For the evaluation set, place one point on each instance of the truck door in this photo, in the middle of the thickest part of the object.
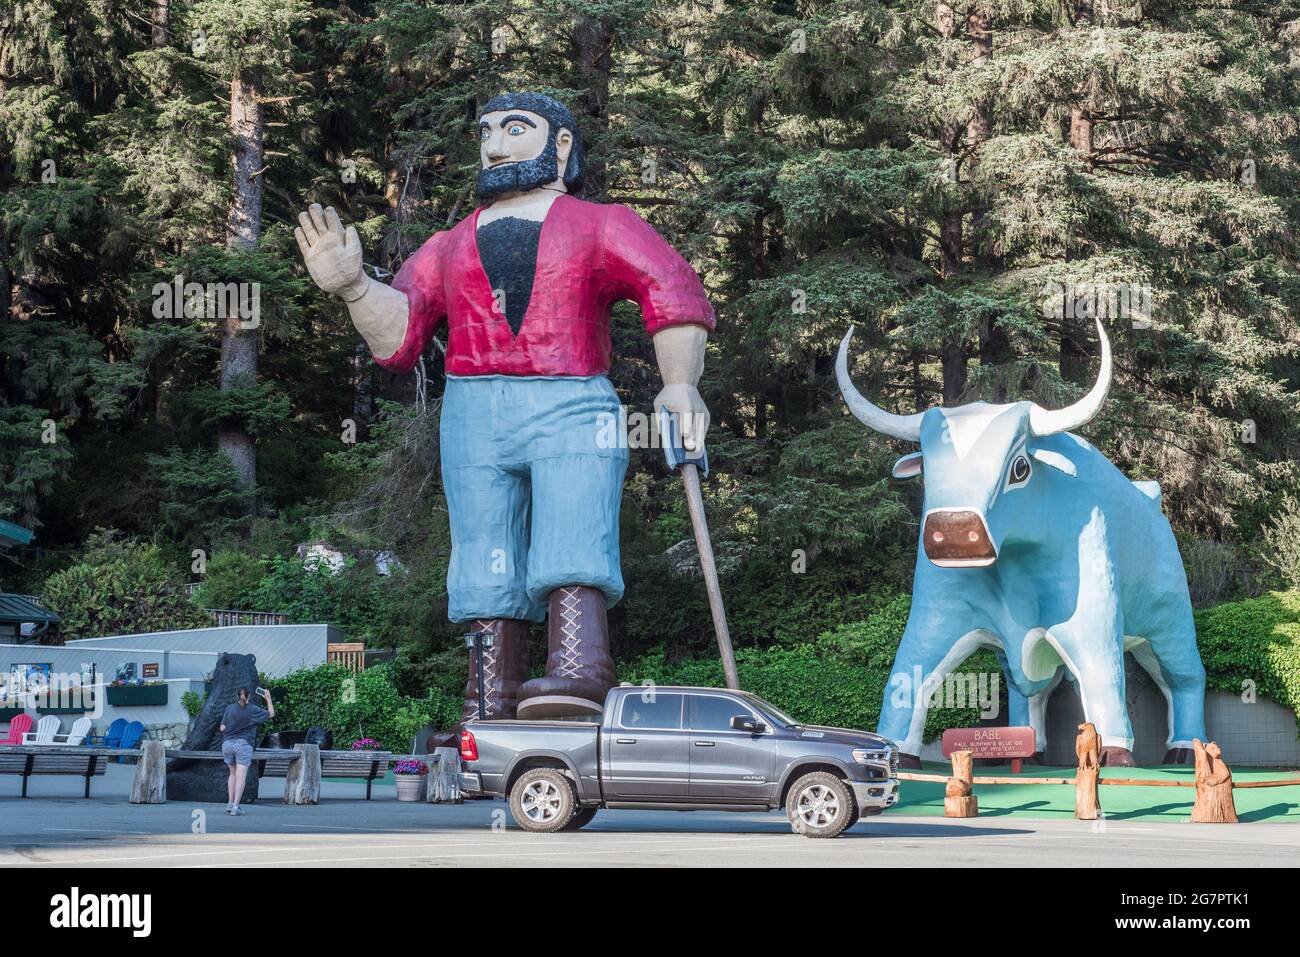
(649, 748)
(728, 766)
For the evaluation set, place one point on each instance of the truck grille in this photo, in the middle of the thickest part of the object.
(893, 762)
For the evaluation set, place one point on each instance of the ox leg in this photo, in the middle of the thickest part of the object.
(920, 666)
(1094, 653)
(1174, 664)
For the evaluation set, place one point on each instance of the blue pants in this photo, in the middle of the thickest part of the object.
(533, 491)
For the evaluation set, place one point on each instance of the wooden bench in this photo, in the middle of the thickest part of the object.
(333, 764)
(30, 759)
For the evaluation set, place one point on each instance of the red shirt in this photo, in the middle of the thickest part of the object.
(589, 256)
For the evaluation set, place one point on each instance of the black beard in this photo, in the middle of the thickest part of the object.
(518, 177)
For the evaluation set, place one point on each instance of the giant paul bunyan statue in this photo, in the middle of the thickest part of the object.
(1034, 545)
(525, 284)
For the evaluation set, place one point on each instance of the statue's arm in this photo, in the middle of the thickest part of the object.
(680, 354)
(333, 256)
(382, 315)
(674, 308)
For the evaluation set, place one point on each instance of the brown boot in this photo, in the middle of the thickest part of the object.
(579, 671)
(505, 666)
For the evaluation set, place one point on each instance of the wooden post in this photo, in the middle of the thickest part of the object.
(302, 780)
(1214, 803)
(442, 786)
(1087, 748)
(958, 801)
(149, 786)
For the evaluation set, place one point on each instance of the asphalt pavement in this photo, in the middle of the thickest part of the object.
(56, 827)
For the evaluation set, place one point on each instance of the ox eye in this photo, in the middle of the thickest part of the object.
(1019, 473)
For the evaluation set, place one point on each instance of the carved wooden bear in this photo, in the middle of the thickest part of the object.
(205, 780)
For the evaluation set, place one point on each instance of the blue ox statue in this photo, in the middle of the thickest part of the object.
(1034, 545)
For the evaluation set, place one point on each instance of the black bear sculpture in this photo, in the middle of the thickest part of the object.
(204, 780)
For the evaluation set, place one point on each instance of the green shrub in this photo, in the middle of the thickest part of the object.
(229, 581)
(1282, 542)
(192, 702)
(1257, 641)
(351, 706)
(119, 587)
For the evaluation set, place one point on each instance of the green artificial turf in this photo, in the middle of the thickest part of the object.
(1119, 803)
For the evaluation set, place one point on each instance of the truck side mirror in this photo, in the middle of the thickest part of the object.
(743, 722)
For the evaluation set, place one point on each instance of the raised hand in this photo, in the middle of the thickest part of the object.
(332, 254)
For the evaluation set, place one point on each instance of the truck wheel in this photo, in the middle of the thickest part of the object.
(543, 801)
(820, 805)
(581, 818)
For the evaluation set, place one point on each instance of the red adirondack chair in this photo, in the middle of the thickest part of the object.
(18, 726)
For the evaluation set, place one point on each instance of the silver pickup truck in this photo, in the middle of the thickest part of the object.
(684, 749)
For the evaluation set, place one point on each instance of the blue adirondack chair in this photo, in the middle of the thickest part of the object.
(130, 738)
(113, 736)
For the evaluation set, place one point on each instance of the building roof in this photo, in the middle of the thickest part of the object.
(11, 534)
(20, 609)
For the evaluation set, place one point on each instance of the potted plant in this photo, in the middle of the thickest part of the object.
(365, 744)
(409, 774)
(136, 692)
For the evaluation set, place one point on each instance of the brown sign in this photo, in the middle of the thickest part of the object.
(150, 671)
(990, 742)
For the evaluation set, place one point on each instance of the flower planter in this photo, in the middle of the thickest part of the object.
(410, 787)
(137, 696)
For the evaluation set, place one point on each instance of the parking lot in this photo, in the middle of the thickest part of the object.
(56, 827)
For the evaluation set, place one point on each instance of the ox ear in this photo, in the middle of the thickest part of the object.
(908, 467)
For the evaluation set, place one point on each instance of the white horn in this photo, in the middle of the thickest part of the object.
(1046, 422)
(899, 426)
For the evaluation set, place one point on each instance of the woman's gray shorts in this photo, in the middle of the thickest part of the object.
(237, 751)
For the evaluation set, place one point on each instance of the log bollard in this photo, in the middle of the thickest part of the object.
(1087, 748)
(149, 786)
(442, 786)
(958, 801)
(1214, 804)
(302, 780)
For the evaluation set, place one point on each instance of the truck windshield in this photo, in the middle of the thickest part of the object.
(771, 709)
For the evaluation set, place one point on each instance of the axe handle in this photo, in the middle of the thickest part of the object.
(695, 504)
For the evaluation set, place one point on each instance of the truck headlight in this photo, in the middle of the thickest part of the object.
(865, 756)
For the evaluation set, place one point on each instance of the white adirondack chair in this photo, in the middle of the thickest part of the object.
(80, 728)
(45, 731)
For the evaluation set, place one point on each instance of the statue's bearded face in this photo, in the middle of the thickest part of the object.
(519, 151)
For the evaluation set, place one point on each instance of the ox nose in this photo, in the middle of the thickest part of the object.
(957, 538)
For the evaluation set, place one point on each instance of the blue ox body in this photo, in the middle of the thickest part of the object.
(1034, 545)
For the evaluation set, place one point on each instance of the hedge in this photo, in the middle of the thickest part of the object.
(1254, 645)
(353, 706)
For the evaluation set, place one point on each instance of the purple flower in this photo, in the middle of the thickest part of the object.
(410, 766)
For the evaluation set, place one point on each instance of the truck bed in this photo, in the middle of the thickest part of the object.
(502, 743)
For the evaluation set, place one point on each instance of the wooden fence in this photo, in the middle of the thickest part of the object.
(1213, 783)
(348, 654)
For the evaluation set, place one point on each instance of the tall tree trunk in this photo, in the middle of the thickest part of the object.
(1074, 356)
(161, 23)
(244, 231)
(593, 39)
(952, 354)
(994, 346)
